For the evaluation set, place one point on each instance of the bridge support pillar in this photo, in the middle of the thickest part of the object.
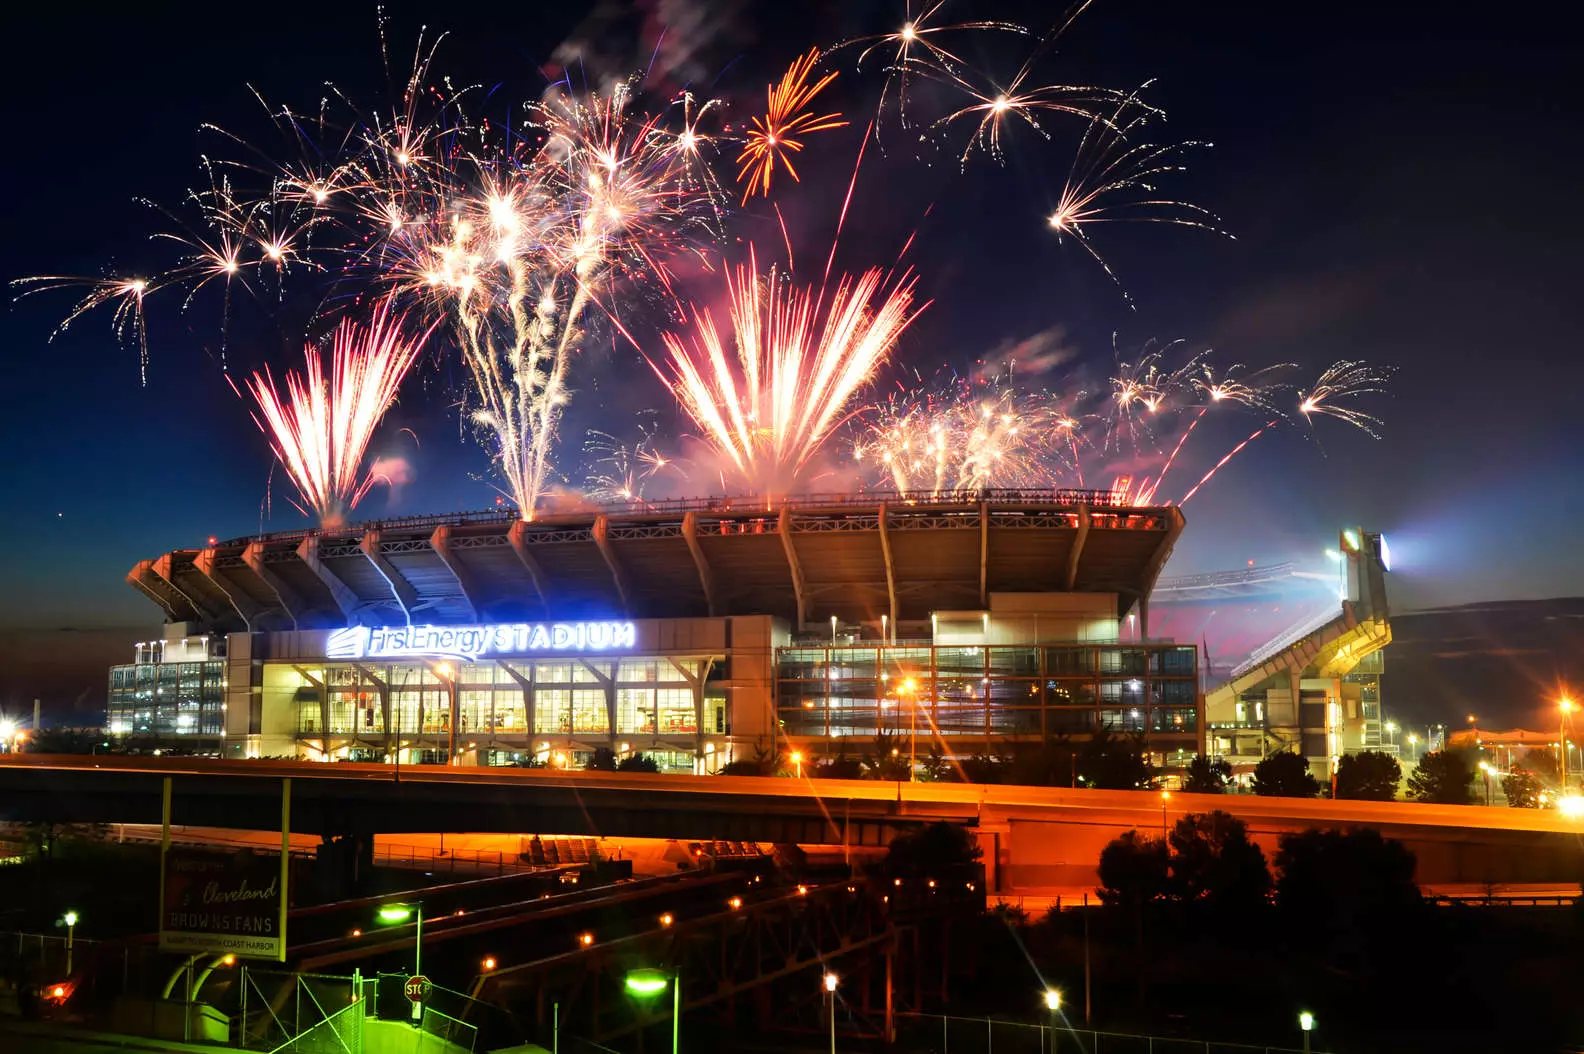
(993, 841)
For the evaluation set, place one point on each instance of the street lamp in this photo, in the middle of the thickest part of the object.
(646, 984)
(1413, 743)
(1485, 768)
(1306, 1021)
(909, 688)
(70, 919)
(831, 980)
(395, 915)
(1566, 706)
(1053, 1004)
(1165, 797)
(1391, 733)
(796, 758)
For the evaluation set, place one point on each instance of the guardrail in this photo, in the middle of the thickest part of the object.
(723, 504)
(986, 1035)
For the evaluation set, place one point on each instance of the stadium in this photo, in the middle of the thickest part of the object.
(692, 632)
(701, 632)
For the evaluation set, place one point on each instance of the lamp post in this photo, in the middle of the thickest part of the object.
(1053, 1004)
(1391, 734)
(70, 919)
(646, 984)
(1165, 797)
(831, 980)
(909, 688)
(1565, 705)
(447, 675)
(796, 757)
(1306, 1022)
(395, 915)
(1485, 769)
(1413, 742)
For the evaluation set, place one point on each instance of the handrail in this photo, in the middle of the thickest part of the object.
(735, 504)
(1276, 645)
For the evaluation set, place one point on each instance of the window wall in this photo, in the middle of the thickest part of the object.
(172, 699)
(987, 692)
(593, 698)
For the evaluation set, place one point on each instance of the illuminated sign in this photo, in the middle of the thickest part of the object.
(477, 642)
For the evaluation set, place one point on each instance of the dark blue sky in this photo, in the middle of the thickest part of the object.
(1401, 184)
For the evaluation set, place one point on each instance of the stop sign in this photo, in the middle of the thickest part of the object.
(416, 988)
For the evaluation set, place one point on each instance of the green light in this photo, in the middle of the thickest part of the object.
(1306, 1021)
(647, 982)
(70, 918)
(395, 913)
(1053, 1000)
(1352, 539)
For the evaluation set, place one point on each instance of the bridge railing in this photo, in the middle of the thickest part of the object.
(986, 1035)
(725, 504)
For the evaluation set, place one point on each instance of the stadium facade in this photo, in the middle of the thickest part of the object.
(694, 633)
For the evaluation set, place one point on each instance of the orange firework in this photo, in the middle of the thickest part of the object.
(320, 428)
(771, 137)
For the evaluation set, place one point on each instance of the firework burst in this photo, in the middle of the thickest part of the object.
(320, 427)
(1115, 176)
(766, 398)
(778, 134)
(1339, 381)
(619, 470)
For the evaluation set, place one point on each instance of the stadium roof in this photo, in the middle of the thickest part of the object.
(807, 558)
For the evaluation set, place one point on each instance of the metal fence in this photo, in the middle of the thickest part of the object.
(447, 1029)
(340, 1033)
(452, 861)
(936, 1034)
(275, 1008)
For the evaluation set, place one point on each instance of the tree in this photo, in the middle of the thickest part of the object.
(1206, 776)
(765, 762)
(1109, 762)
(1335, 881)
(1368, 776)
(985, 768)
(65, 741)
(840, 767)
(1523, 789)
(1443, 778)
(936, 848)
(1212, 859)
(1051, 763)
(1285, 775)
(889, 761)
(638, 763)
(1133, 869)
(602, 760)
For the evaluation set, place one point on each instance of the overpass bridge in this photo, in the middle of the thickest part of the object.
(1035, 838)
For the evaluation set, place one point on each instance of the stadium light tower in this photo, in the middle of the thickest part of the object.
(1565, 705)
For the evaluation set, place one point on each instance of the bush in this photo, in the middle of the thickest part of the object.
(1110, 762)
(1523, 789)
(638, 763)
(934, 849)
(1285, 775)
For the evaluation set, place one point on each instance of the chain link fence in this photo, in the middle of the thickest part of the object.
(937, 1034)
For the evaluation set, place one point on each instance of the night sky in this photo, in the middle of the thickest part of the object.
(1402, 186)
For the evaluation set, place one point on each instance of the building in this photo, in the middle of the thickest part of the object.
(1315, 688)
(693, 632)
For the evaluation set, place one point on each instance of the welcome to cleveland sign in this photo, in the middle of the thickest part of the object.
(222, 903)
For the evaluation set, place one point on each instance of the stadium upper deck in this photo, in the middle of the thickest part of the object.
(803, 559)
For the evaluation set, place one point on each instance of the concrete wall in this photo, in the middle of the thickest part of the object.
(1032, 618)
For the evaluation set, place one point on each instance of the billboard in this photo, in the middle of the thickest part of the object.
(224, 903)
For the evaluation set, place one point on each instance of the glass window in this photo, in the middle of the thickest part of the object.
(676, 713)
(1015, 720)
(1177, 719)
(964, 662)
(803, 722)
(1129, 720)
(962, 691)
(1172, 693)
(801, 695)
(1005, 692)
(1129, 692)
(552, 673)
(473, 709)
(511, 711)
(960, 720)
(802, 663)
(640, 670)
(635, 710)
(1014, 660)
(852, 662)
(1122, 661)
(1174, 662)
(588, 711)
(1069, 719)
(1070, 693)
(553, 710)
(590, 672)
(1069, 661)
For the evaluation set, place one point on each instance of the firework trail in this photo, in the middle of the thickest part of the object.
(320, 428)
(916, 52)
(771, 138)
(619, 470)
(795, 362)
(1114, 178)
(1344, 380)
